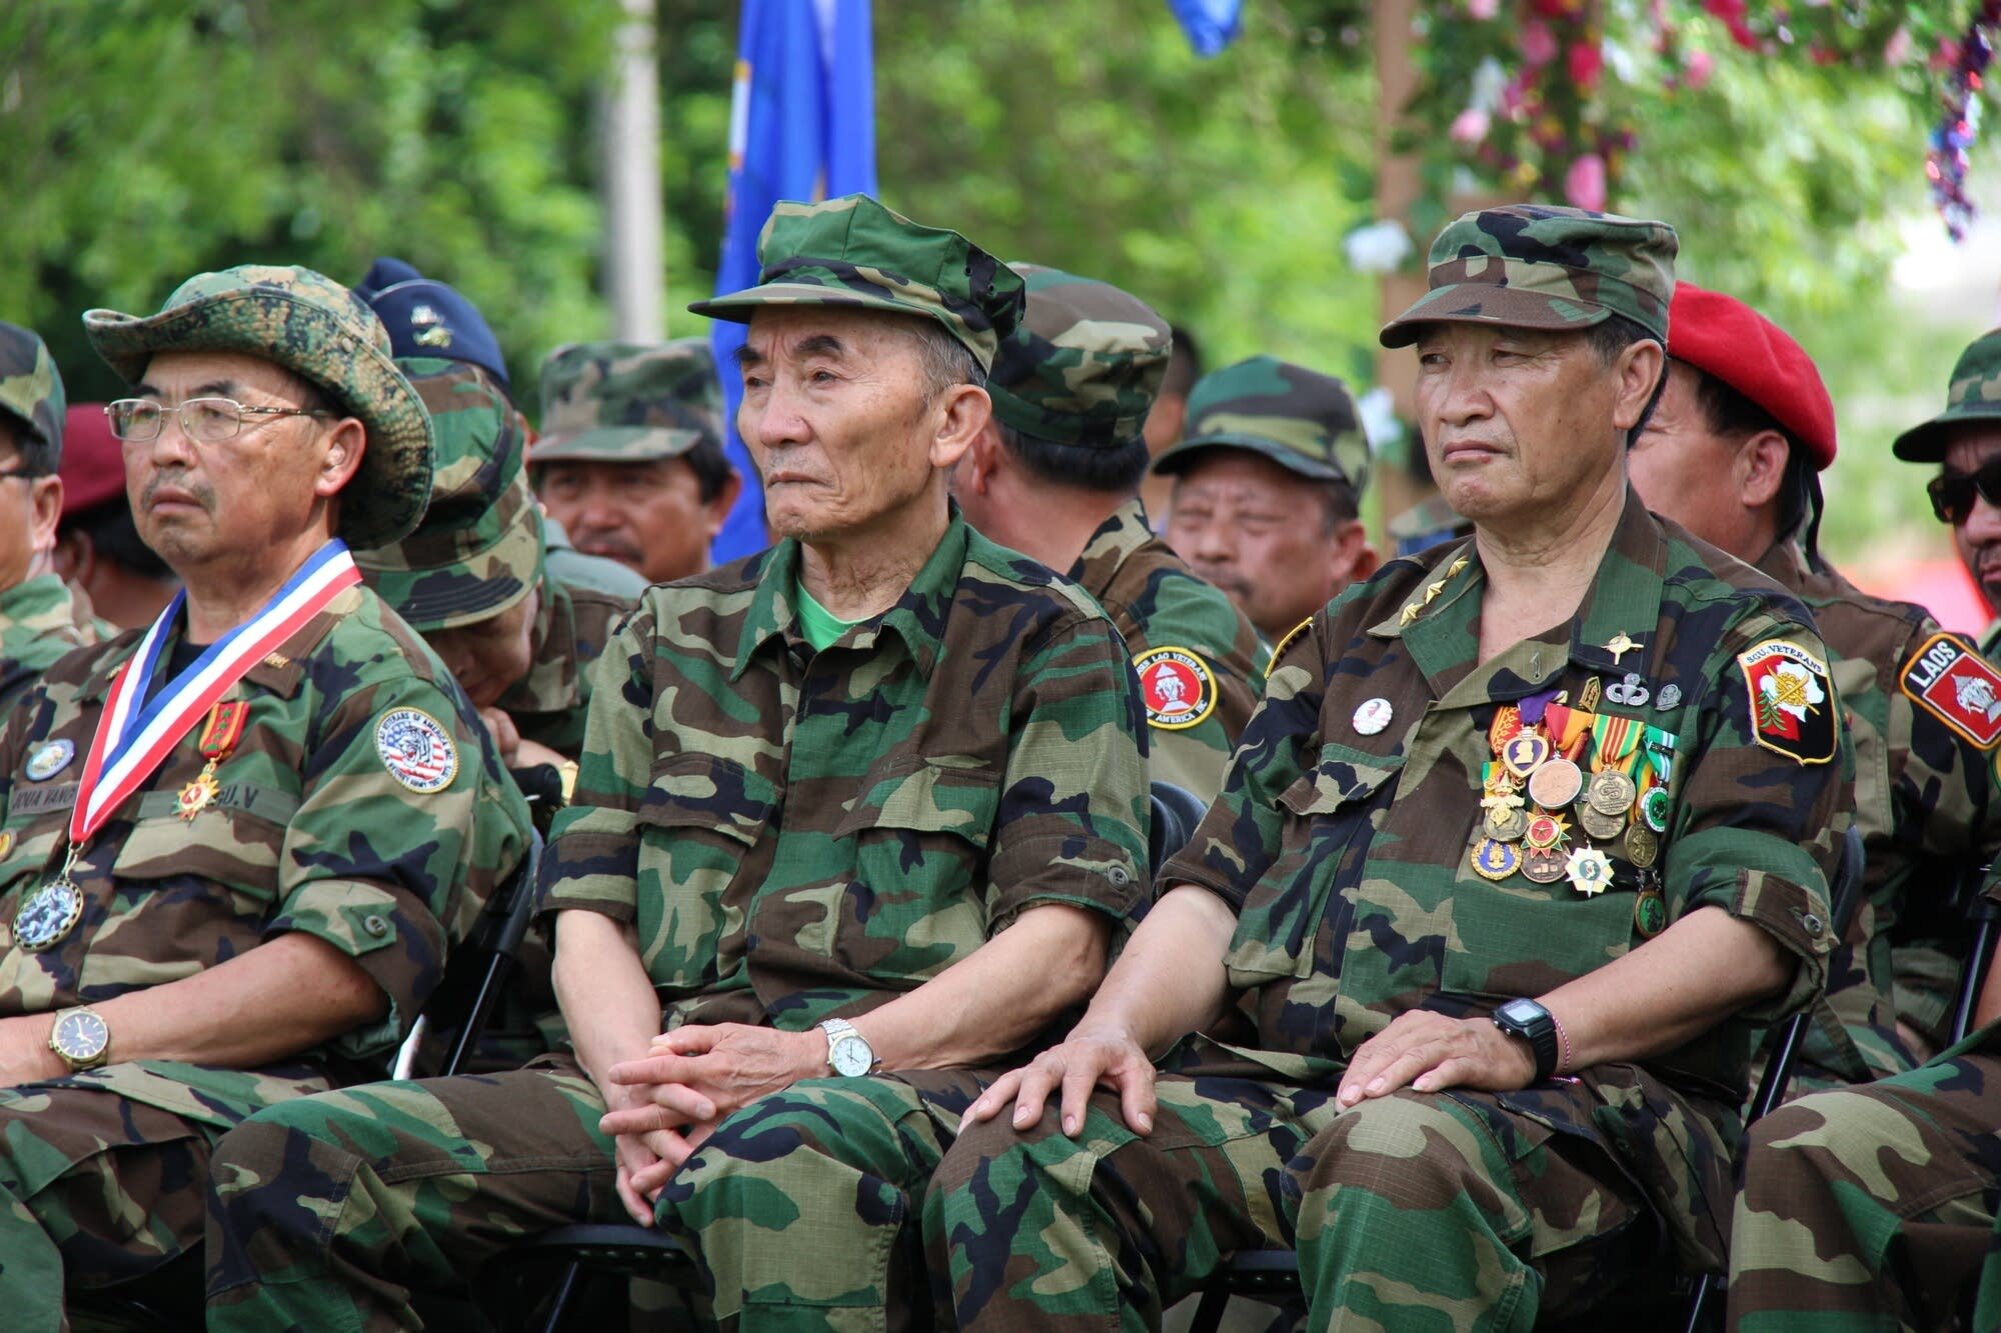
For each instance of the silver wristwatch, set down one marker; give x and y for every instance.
(848, 1052)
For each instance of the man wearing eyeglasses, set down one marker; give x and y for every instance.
(236, 846)
(41, 617)
(1732, 453)
(1965, 441)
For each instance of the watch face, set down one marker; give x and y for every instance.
(1523, 1012)
(851, 1056)
(81, 1036)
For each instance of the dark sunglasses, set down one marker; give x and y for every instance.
(1952, 492)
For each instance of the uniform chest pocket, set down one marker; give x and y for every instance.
(915, 902)
(234, 848)
(1330, 815)
(702, 821)
(1518, 937)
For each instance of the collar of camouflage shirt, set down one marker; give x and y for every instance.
(1624, 599)
(1116, 538)
(917, 617)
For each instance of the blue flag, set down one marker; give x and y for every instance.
(802, 126)
(1211, 25)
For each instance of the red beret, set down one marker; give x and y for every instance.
(93, 466)
(1721, 336)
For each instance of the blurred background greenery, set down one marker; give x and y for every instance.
(148, 141)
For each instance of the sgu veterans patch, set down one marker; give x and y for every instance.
(1957, 686)
(417, 751)
(1176, 686)
(1792, 701)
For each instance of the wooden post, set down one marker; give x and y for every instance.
(1398, 187)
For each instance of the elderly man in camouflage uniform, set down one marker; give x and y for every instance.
(237, 847)
(1524, 843)
(1055, 475)
(1875, 1207)
(630, 460)
(1262, 433)
(1732, 453)
(41, 617)
(857, 819)
(1965, 441)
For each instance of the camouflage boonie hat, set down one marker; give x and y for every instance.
(852, 251)
(1530, 266)
(31, 388)
(1973, 394)
(1298, 418)
(319, 330)
(479, 549)
(620, 402)
(1084, 364)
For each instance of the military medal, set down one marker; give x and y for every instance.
(1556, 784)
(1545, 865)
(1544, 831)
(1525, 754)
(1505, 823)
(1495, 860)
(1654, 807)
(1590, 871)
(219, 736)
(1649, 906)
(1611, 792)
(1643, 846)
(1598, 825)
(46, 916)
(135, 734)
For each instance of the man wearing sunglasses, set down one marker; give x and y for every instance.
(41, 617)
(1732, 453)
(235, 847)
(1965, 441)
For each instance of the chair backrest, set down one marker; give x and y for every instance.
(1176, 812)
(476, 971)
(1984, 916)
(1844, 896)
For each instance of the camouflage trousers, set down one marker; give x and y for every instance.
(330, 1211)
(1872, 1207)
(95, 1190)
(1406, 1211)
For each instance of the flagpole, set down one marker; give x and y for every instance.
(635, 279)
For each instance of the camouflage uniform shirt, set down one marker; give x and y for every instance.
(41, 619)
(571, 628)
(1170, 618)
(1345, 851)
(796, 835)
(310, 831)
(1925, 801)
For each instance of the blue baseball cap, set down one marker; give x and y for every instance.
(427, 318)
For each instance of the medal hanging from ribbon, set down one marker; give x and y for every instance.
(218, 739)
(135, 734)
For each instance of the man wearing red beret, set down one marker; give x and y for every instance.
(1732, 453)
(98, 549)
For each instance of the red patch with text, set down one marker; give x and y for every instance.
(1957, 686)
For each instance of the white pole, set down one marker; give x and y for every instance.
(635, 280)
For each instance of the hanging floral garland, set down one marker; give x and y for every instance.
(1537, 98)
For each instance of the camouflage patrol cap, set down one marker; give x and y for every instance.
(320, 331)
(31, 388)
(1298, 418)
(479, 549)
(1532, 266)
(1084, 364)
(852, 251)
(620, 402)
(1973, 394)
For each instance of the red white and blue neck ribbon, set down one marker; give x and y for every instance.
(135, 734)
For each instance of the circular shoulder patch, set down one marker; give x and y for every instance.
(417, 751)
(1176, 686)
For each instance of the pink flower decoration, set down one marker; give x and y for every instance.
(1470, 126)
(1483, 9)
(1898, 49)
(1586, 63)
(1584, 183)
(1537, 42)
(1700, 65)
